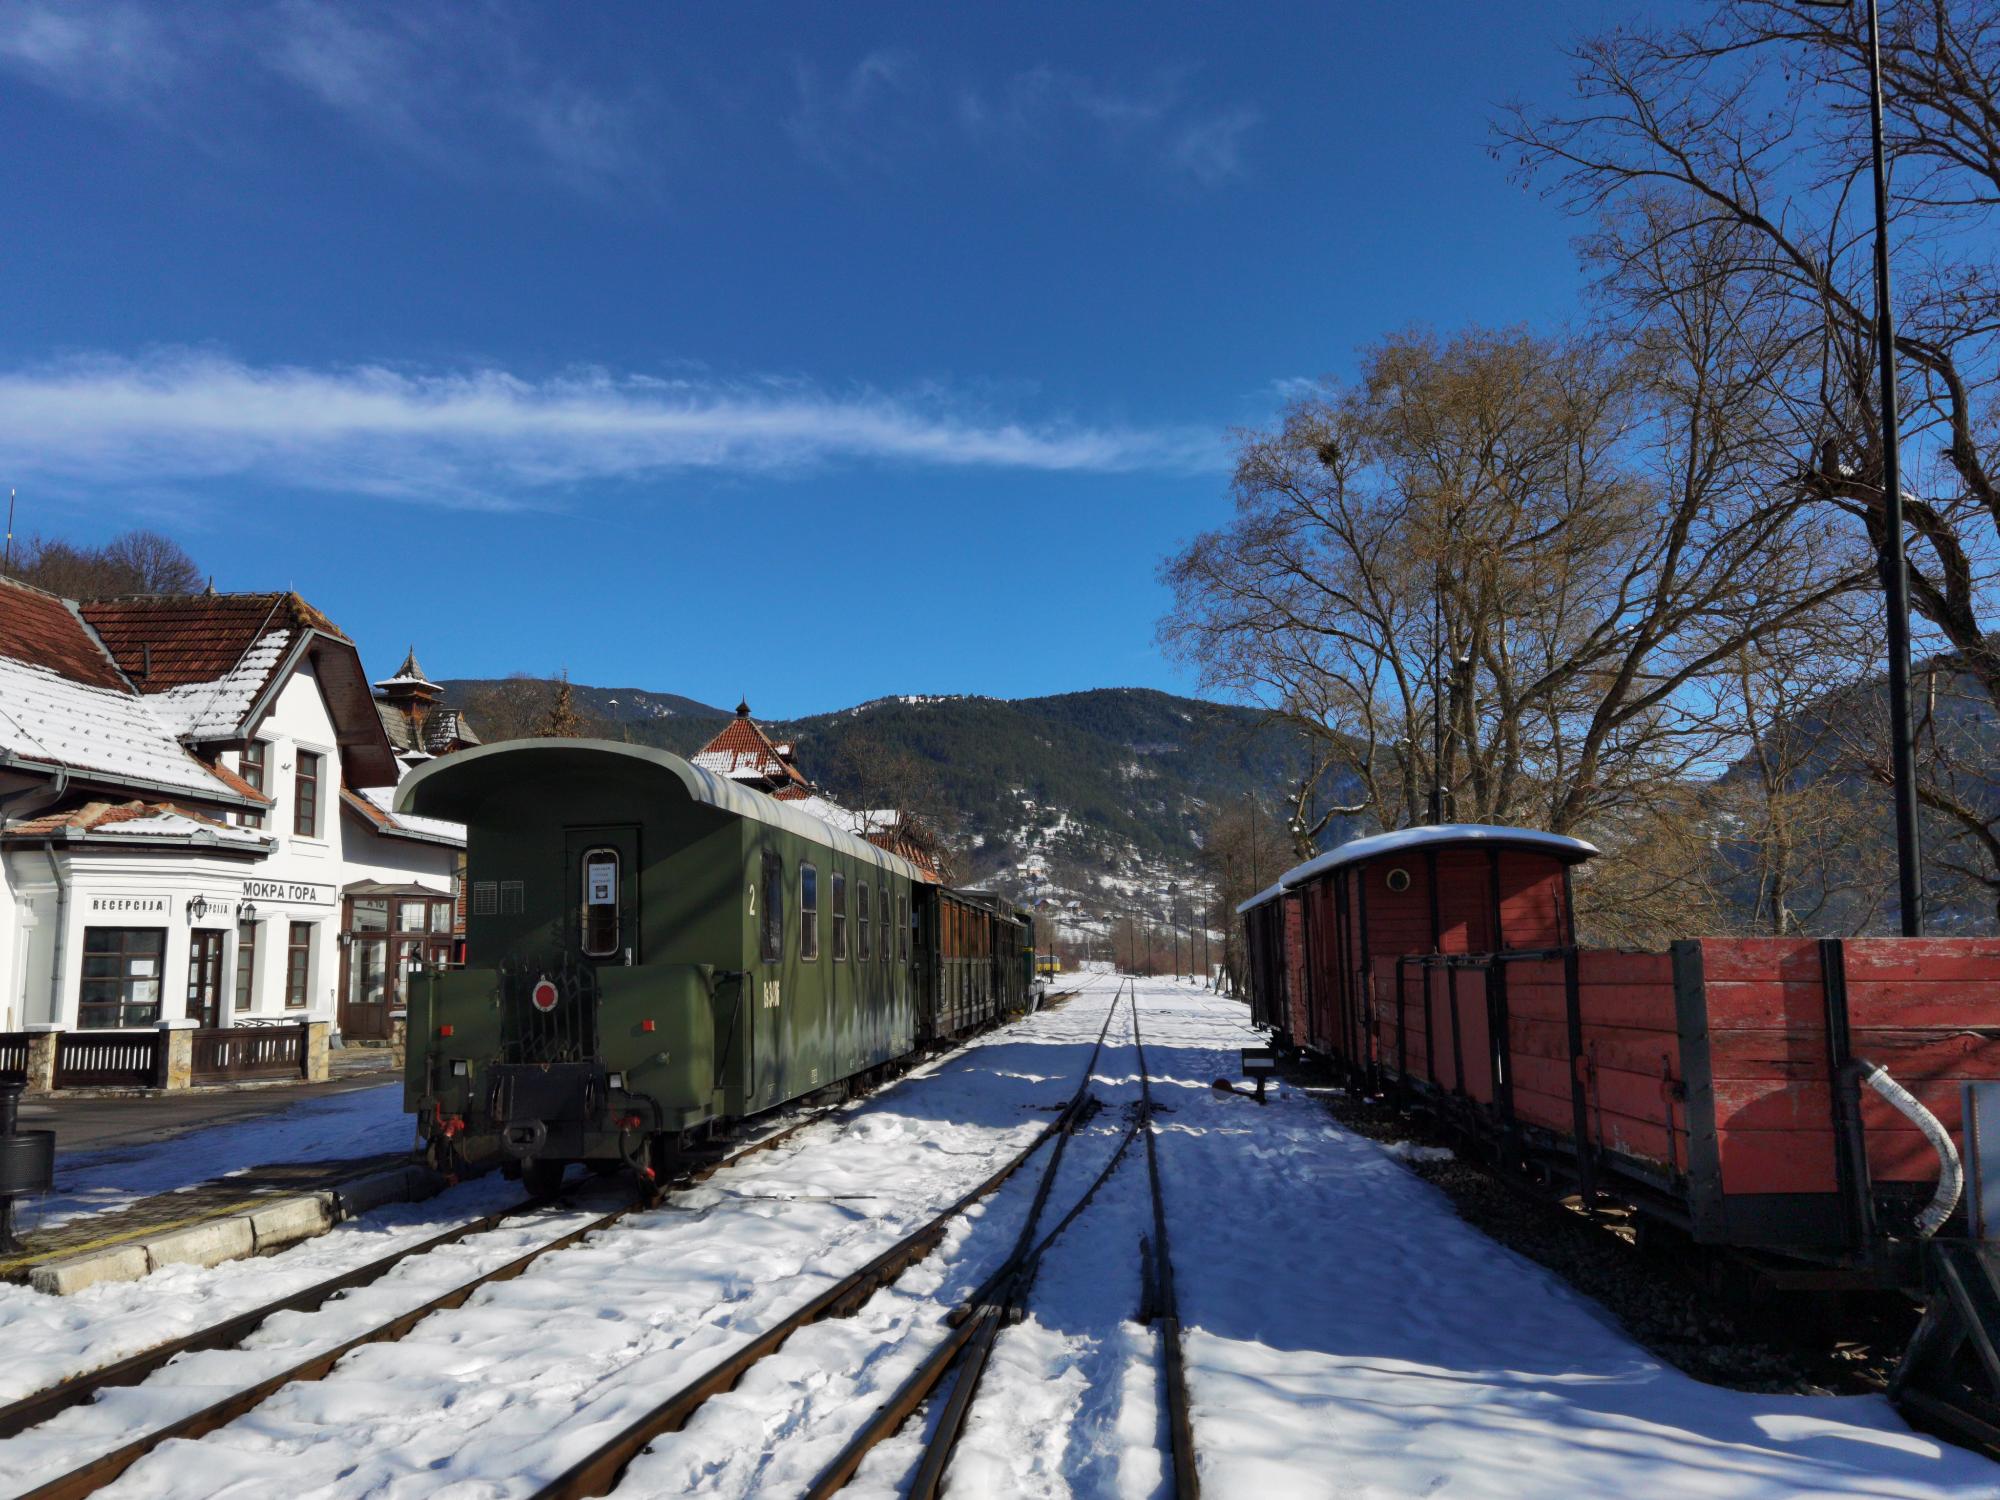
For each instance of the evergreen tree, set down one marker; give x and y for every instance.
(562, 721)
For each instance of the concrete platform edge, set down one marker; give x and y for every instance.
(270, 1225)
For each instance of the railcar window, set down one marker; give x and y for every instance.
(861, 921)
(808, 912)
(839, 916)
(887, 940)
(598, 913)
(772, 920)
(903, 928)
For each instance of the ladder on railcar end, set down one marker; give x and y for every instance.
(1948, 1381)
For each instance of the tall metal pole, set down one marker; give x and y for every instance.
(1895, 571)
(1437, 693)
(1229, 918)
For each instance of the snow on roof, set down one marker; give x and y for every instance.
(170, 822)
(742, 751)
(409, 674)
(382, 799)
(703, 785)
(1269, 893)
(216, 709)
(141, 822)
(1569, 850)
(859, 822)
(110, 733)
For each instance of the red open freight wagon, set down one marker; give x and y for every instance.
(1796, 1099)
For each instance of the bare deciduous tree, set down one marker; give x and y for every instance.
(1752, 121)
(1500, 564)
(134, 562)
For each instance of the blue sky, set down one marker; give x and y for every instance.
(811, 352)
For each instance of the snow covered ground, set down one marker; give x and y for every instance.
(331, 1127)
(1346, 1333)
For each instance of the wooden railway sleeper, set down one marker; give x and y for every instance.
(598, 1472)
(94, 1475)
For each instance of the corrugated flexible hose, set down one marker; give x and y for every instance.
(1951, 1176)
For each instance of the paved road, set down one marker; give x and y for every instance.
(88, 1124)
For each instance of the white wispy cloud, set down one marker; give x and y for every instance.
(456, 87)
(1210, 151)
(1153, 118)
(486, 438)
(865, 117)
(887, 107)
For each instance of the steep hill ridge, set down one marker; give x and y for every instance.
(1107, 787)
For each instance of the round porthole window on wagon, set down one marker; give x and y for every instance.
(1397, 879)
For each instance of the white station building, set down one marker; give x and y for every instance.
(194, 819)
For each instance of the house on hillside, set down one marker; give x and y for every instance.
(195, 820)
(745, 754)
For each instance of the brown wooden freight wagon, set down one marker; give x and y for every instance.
(1794, 1102)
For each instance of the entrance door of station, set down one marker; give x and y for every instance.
(205, 976)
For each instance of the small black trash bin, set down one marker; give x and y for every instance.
(27, 1161)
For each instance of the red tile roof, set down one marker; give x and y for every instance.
(236, 783)
(742, 751)
(193, 637)
(93, 815)
(44, 631)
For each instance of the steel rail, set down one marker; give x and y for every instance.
(32, 1410)
(974, 1326)
(599, 1471)
(92, 1476)
(990, 1315)
(1180, 1425)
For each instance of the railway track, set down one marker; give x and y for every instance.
(93, 1475)
(974, 1323)
(599, 1471)
(1001, 1300)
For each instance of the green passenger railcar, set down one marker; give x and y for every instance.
(650, 949)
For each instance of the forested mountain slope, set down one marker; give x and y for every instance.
(1114, 781)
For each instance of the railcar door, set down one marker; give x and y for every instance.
(769, 1043)
(601, 865)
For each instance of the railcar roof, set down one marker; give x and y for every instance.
(1570, 851)
(444, 788)
(1269, 893)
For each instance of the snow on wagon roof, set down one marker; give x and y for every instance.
(702, 785)
(1569, 850)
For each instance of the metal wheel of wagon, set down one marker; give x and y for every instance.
(542, 1176)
